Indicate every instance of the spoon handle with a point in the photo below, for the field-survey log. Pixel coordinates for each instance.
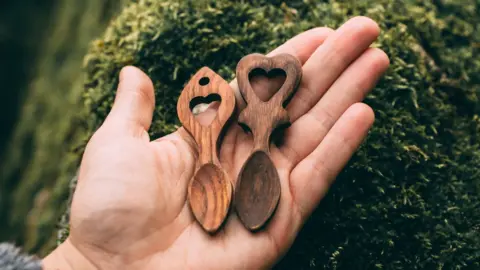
(206, 86)
(263, 117)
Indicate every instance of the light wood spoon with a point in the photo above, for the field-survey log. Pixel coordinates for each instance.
(210, 190)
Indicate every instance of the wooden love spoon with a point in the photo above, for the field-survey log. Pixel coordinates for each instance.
(210, 190)
(258, 189)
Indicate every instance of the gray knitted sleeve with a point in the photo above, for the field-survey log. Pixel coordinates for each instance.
(11, 258)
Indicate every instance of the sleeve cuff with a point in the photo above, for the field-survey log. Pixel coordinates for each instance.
(12, 258)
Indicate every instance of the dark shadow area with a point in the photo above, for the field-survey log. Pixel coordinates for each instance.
(22, 25)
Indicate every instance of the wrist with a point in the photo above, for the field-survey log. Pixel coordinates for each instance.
(67, 257)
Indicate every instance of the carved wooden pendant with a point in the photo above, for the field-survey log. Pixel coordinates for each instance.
(258, 189)
(210, 190)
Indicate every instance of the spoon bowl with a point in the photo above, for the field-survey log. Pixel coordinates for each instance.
(257, 191)
(210, 194)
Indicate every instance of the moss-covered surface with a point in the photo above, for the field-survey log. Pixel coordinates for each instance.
(52, 39)
(410, 197)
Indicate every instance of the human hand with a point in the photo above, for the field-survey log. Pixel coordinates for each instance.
(130, 208)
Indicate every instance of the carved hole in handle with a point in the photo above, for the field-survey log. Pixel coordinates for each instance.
(205, 108)
(278, 134)
(266, 84)
(204, 81)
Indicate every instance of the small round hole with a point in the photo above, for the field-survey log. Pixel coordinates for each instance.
(204, 81)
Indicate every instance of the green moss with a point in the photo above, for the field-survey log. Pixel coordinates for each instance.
(409, 198)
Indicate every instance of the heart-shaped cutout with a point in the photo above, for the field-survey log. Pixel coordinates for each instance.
(205, 108)
(266, 84)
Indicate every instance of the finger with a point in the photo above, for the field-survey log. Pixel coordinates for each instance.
(352, 86)
(301, 46)
(329, 61)
(134, 103)
(304, 44)
(312, 177)
(207, 114)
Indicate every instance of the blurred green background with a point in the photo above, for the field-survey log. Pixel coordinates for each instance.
(410, 197)
(42, 44)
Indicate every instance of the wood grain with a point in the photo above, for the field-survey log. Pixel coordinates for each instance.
(210, 190)
(258, 189)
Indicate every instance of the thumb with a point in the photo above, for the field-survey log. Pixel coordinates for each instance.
(132, 110)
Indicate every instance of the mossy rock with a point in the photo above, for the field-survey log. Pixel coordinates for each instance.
(410, 197)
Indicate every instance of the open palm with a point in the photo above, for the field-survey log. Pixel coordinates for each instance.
(130, 208)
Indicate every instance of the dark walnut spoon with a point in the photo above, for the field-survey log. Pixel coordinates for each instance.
(210, 190)
(258, 189)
